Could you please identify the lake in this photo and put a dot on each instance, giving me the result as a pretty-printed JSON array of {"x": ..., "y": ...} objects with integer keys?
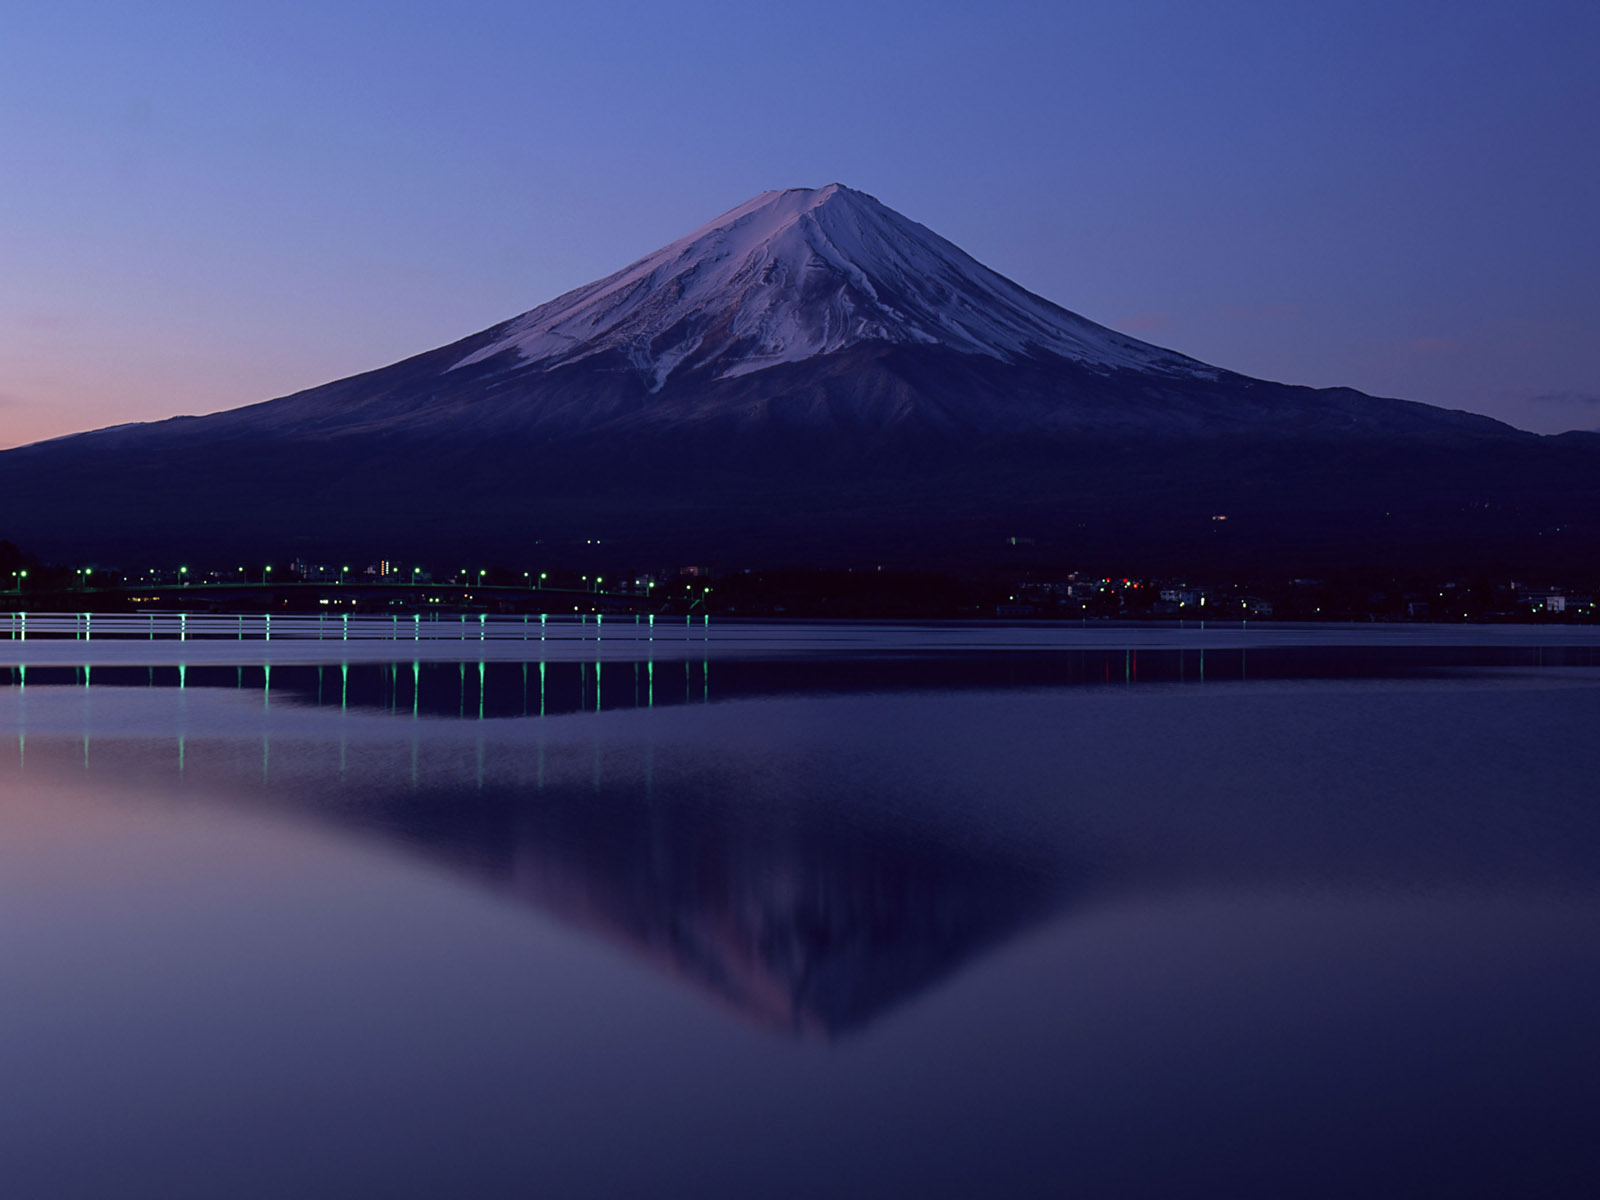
[{"x": 499, "y": 908}]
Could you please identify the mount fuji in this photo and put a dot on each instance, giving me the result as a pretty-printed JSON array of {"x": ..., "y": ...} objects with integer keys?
[{"x": 812, "y": 378}]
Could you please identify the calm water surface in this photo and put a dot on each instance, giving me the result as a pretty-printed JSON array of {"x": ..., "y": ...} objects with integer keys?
[{"x": 842, "y": 911}]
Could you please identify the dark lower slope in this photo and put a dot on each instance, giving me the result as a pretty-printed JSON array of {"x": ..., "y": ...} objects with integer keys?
[{"x": 911, "y": 457}]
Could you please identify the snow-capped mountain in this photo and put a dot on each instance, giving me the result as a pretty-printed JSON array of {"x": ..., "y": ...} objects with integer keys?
[
  {"x": 816, "y": 310},
  {"x": 814, "y": 378},
  {"x": 795, "y": 274}
]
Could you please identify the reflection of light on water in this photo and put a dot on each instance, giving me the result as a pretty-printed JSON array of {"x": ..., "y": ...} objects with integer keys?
[
  {"x": 374, "y": 686},
  {"x": 266, "y": 704},
  {"x": 88, "y": 718}
]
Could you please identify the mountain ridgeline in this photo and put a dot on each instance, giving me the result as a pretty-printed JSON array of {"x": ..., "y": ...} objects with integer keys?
[{"x": 814, "y": 380}]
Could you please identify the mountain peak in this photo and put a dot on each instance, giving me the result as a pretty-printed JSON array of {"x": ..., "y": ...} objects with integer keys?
[
  {"x": 807, "y": 198},
  {"x": 793, "y": 274}
]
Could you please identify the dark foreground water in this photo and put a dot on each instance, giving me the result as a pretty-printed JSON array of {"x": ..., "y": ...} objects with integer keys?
[{"x": 1087, "y": 915}]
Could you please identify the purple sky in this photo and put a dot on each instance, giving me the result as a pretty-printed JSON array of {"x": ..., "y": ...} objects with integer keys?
[{"x": 203, "y": 205}]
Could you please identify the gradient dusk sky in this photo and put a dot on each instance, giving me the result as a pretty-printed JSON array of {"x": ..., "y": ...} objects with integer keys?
[{"x": 203, "y": 206}]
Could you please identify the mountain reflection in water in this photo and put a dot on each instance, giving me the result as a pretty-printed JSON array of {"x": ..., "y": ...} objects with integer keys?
[
  {"x": 802, "y": 895},
  {"x": 796, "y": 920}
]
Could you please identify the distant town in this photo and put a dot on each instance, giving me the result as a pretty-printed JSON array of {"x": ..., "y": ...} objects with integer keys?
[{"x": 389, "y": 586}]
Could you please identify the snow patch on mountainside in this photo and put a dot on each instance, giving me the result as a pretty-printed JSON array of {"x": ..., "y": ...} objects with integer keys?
[{"x": 794, "y": 274}]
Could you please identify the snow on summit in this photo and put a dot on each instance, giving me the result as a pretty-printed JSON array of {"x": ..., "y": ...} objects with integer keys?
[{"x": 794, "y": 274}]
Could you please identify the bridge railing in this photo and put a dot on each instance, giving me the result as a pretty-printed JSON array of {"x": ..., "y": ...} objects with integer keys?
[{"x": 166, "y": 626}]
